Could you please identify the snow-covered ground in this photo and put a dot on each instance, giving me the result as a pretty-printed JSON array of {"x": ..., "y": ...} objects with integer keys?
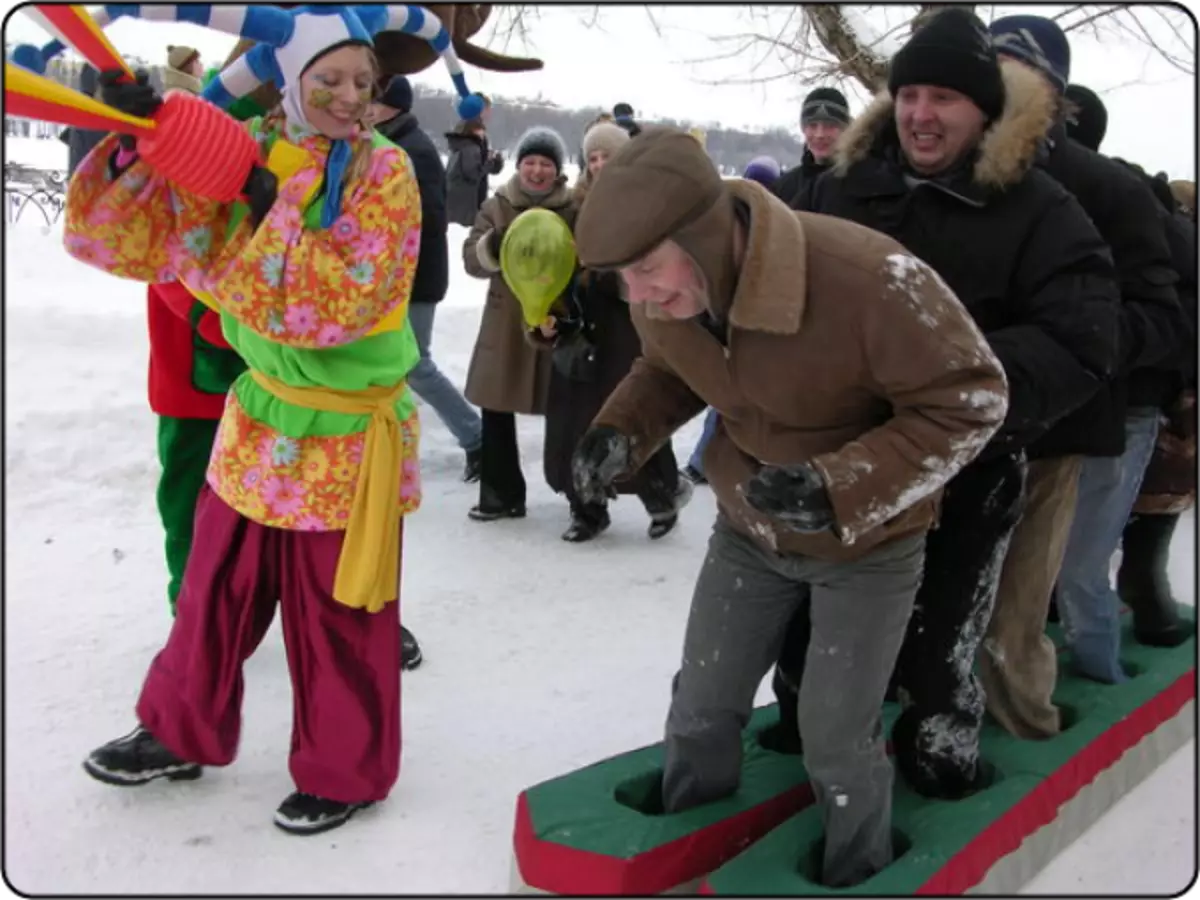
[{"x": 540, "y": 656}]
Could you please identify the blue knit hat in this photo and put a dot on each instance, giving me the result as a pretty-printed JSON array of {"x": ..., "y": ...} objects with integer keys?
[
  {"x": 1036, "y": 41},
  {"x": 763, "y": 169}
]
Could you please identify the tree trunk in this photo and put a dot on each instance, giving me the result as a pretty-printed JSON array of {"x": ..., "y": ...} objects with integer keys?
[{"x": 838, "y": 38}]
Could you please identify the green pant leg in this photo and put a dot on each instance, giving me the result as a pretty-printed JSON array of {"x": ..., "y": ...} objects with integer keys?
[{"x": 184, "y": 448}]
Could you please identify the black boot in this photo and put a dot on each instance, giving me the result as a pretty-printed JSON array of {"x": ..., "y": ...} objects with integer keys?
[
  {"x": 587, "y": 521},
  {"x": 138, "y": 758},
  {"x": 1142, "y": 581},
  {"x": 664, "y": 511},
  {"x": 410, "y": 650},
  {"x": 474, "y": 464},
  {"x": 492, "y": 507},
  {"x": 305, "y": 814}
]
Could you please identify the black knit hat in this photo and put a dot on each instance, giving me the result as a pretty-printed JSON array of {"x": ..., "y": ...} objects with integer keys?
[
  {"x": 952, "y": 50},
  {"x": 539, "y": 141},
  {"x": 398, "y": 94},
  {"x": 825, "y": 105},
  {"x": 1087, "y": 119}
]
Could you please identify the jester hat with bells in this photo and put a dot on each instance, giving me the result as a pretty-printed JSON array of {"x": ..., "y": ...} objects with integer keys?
[{"x": 287, "y": 41}]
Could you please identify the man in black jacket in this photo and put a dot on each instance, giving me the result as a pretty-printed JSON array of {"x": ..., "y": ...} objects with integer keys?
[
  {"x": 824, "y": 115},
  {"x": 943, "y": 162},
  {"x": 394, "y": 120},
  {"x": 1110, "y": 439}
]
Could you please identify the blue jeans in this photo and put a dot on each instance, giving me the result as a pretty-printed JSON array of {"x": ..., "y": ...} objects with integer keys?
[
  {"x": 428, "y": 383},
  {"x": 710, "y": 425},
  {"x": 1087, "y": 603}
]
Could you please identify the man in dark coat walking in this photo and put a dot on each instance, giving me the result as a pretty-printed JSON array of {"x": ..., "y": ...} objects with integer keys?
[
  {"x": 824, "y": 115},
  {"x": 395, "y": 121},
  {"x": 943, "y": 163}
]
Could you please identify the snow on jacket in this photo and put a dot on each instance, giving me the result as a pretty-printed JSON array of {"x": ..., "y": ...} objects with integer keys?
[
  {"x": 1013, "y": 244},
  {"x": 309, "y": 307},
  {"x": 433, "y": 265},
  {"x": 844, "y": 351}
]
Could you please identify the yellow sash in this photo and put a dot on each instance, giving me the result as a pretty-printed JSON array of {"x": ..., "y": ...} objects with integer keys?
[{"x": 368, "y": 571}]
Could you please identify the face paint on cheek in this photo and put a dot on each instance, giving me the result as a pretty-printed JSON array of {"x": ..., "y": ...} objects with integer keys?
[
  {"x": 320, "y": 98},
  {"x": 364, "y": 96}
]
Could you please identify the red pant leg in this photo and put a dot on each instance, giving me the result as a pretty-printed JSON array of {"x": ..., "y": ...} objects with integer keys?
[
  {"x": 345, "y": 666},
  {"x": 192, "y": 698}
]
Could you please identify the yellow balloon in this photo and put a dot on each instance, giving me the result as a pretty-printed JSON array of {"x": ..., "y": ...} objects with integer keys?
[{"x": 537, "y": 260}]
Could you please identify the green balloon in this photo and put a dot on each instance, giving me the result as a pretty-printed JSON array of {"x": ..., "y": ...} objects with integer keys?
[{"x": 537, "y": 260}]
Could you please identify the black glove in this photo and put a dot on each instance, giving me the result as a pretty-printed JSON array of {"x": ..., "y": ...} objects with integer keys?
[
  {"x": 795, "y": 495},
  {"x": 134, "y": 98},
  {"x": 495, "y": 239},
  {"x": 600, "y": 457},
  {"x": 261, "y": 189}
]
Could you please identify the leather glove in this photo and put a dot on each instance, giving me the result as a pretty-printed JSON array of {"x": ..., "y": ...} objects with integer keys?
[
  {"x": 262, "y": 187},
  {"x": 601, "y": 456},
  {"x": 134, "y": 98},
  {"x": 795, "y": 495}
]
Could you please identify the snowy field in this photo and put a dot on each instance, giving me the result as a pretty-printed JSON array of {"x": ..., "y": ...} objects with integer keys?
[{"x": 540, "y": 656}]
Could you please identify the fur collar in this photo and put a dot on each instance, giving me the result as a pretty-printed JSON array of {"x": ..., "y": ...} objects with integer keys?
[
  {"x": 512, "y": 192},
  {"x": 772, "y": 282},
  {"x": 1008, "y": 149}
]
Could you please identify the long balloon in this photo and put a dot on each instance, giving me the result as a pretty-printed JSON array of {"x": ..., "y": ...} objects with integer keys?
[
  {"x": 75, "y": 26},
  {"x": 35, "y": 97}
]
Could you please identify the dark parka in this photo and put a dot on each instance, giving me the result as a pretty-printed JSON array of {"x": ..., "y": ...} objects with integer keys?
[
  {"x": 795, "y": 186},
  {"x": 1012, "y": 243},
  {"x": 1132, "y": 222},
  {"x": 605, "y": 322},
  {"x": 507, "y": 372},
  {"x": 467, "y": 181},
  {"x": 433, "y": 264}
]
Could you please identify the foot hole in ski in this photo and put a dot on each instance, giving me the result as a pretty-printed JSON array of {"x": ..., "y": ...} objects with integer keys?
[
  {"x": 1068, "y": 716},
  {"x": 642, "y": 793},
  {"x": 812, "y": 860},
  {"x": 1132, "y": 670}
]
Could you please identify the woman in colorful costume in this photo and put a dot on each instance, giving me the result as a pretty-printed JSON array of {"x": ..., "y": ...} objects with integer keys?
[{"x": 315, "y": 460}]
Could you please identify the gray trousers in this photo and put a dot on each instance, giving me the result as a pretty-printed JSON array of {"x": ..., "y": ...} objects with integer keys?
[{"x": 744, "y": 598}]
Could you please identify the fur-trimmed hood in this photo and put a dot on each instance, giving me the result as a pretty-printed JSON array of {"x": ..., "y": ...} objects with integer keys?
[{"x": 1009, "y": 147}]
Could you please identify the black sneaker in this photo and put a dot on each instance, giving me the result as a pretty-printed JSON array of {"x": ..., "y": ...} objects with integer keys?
[
  {"x": 474, "y": 464},
  {"x": 410, "y": 650},
  {"x": 138, "y": 758},
  {"x": 306, "y": 814}
]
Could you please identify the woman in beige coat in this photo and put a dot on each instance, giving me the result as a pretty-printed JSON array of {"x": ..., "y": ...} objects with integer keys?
[{"x": 508, "y": 374}]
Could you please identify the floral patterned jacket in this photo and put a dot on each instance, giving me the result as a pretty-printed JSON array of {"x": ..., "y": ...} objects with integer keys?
[{"x": 311, "y": 307}]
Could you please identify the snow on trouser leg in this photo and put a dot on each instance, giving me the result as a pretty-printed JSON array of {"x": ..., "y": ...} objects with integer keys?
[
  {"x": 344, "y": 662},
  {"x": 859, "y": 611},
  {"x": 740, "y": 607},
  {"x": 184, "y": 448},
  {"x": 936, "y": 738}
]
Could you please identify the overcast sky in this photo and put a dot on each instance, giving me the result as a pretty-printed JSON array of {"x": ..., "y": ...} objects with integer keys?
[{"x": 1152, "y": 105}]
